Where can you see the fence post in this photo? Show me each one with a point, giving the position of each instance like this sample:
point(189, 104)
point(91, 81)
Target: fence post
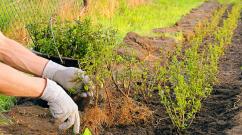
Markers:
point(85, 3)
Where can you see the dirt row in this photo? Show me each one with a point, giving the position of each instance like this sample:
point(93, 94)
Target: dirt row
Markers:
point(237, 42)
point(29, 119)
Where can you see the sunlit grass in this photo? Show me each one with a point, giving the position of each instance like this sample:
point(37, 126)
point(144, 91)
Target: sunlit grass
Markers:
point(229, 1)
point(144, 17)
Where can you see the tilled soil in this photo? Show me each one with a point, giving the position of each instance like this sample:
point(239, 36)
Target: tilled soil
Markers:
point(221, 112)
point(237, 129)
point(29, 120)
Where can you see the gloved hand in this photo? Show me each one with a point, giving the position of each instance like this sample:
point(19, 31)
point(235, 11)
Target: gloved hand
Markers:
point(61, 106)
point(68, 77)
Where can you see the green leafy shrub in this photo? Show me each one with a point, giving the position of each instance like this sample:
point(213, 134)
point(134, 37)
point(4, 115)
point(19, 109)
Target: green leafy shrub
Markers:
point(70, 39)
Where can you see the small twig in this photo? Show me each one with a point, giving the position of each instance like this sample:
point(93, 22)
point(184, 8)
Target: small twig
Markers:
point(97, 97)
point(129, 83)
point(109, 103)
point(116, 85)
point(53, 37)
point(191, 122)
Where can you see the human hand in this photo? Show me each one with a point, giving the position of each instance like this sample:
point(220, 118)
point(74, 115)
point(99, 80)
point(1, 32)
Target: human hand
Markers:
point(61, 106)
point(1, 34)
point(72, 78)
point(69, 78)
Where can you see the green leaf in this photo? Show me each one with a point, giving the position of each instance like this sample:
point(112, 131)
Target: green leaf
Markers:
point(86, 87)
point(87, 132)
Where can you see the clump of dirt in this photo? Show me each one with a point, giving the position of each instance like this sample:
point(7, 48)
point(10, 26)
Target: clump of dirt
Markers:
point(147, 48)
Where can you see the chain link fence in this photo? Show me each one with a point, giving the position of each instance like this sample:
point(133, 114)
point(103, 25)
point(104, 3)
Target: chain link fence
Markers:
point(19, 13)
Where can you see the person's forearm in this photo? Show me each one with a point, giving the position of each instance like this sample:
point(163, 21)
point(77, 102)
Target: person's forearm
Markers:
point(16, 83)
point(19, 57)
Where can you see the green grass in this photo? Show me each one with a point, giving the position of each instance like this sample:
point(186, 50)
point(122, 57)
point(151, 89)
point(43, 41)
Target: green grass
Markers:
point(6, 102)
point(143, 18)
point(228, 1)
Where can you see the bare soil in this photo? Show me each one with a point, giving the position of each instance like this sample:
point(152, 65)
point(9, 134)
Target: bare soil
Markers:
point(28, 120)
point(221, 112)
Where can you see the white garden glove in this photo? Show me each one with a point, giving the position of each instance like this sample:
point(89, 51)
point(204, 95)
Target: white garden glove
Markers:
point(67, 77)
point(61, 106)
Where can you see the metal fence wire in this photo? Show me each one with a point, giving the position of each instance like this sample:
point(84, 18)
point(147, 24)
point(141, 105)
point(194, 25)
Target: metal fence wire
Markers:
point(19, 13)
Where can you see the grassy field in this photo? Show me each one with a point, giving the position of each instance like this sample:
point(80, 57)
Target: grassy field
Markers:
point(143, 17)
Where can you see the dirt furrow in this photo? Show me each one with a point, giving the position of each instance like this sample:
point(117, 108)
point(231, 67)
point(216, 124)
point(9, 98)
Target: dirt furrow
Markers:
point(237, 129)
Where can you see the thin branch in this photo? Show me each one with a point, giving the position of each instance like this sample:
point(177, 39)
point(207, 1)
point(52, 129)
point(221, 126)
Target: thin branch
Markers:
point(116, 85)
point(53, 37)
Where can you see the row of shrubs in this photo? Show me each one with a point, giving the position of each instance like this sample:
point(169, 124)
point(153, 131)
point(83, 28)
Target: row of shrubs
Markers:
point(191, 74)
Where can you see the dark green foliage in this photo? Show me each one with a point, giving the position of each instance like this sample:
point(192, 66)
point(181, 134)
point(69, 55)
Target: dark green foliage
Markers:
point(70, 39)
